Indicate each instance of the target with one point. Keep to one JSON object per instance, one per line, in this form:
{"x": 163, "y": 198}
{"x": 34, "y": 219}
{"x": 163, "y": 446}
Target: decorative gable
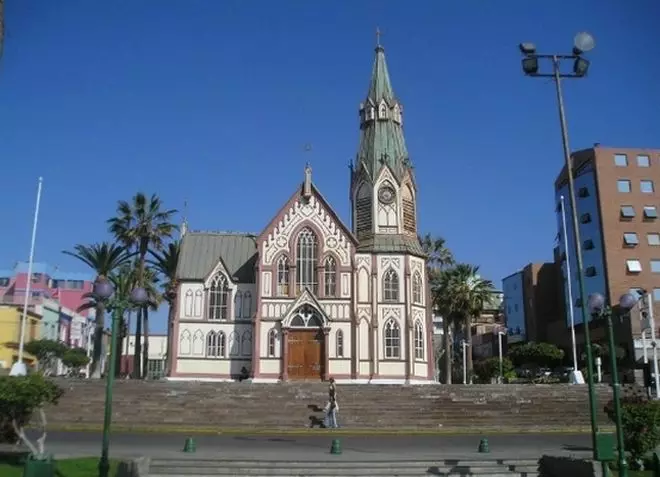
{"x": 335, "y": 237}
{"x": 305, "y": 298}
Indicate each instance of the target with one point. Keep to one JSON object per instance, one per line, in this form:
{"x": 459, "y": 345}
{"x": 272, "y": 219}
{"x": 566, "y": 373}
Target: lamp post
{"x": 104, "y": 290}
{"x": 598, "y": 309}
{"x": 583, "y": 42}
{"x": 464, "y": 345}
{"x": 500, "y": 334}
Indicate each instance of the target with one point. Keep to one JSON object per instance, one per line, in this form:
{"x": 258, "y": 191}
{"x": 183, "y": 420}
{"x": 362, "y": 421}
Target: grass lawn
{"x": 86, "y": 467}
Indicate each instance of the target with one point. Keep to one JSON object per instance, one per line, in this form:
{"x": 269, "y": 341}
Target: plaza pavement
{"x": 316, "y": 447}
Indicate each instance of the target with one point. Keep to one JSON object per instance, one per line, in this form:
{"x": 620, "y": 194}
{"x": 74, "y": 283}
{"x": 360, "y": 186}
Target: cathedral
{"x": 310, "y": 298}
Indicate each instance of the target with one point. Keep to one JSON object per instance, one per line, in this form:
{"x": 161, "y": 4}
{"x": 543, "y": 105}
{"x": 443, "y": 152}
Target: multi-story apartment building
{"x": 617, "y": 201}
{"x": 47, "y": 282}
{"x": 532, "y": 303}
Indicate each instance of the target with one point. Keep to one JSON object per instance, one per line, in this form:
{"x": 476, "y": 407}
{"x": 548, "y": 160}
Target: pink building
{"x": 47, "y": 282}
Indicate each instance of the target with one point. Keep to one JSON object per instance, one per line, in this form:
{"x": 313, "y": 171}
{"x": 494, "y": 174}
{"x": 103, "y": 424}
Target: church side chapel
{"x": 309, "y": 298}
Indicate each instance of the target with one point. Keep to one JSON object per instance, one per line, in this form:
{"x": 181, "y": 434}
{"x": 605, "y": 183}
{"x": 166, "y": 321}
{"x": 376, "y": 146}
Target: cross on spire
{"x": 378, "y": 33}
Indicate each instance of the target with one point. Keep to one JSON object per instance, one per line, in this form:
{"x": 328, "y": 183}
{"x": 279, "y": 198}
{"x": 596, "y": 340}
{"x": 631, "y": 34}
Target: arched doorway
{"x": 306, "y": 345}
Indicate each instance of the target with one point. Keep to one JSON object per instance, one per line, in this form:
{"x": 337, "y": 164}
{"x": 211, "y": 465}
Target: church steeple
{"x": 383, "y": 190}
{"x": 381, "y": 124}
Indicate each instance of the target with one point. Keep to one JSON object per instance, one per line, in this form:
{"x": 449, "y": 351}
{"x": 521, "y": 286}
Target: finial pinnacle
{"x": 378, "y": 45}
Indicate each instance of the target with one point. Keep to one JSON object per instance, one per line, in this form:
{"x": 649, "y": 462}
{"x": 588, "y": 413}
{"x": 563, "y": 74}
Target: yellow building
{"x": 10, "y": 330}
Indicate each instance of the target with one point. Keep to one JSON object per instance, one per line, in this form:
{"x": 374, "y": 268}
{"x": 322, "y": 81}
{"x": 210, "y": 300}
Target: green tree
{"x": 123, "y": 280}
{"x": 488, "y": 369}
{"x": 47, "y": 353}
{"x": 165, "y": 264}
{"x": 20, "y": 397}
{"x": 439, "y": 257}
{"x": 640, "y": 419}
{"x": 75, "y": 359}
{"x": 142, "y": 225}
{"x": 536, "y": 355}
{"x": 461, "y": 294}
{"x": 103, "y": 258}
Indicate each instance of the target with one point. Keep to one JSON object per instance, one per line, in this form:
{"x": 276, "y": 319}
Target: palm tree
{"x": 103, "y": 258}
{"x": 465, "y": 294}
{"x": 439, "y": 257}
{"x": 165, "y": 264}
{"x": 124, "y": 281}
{"x": 142, "y": 225}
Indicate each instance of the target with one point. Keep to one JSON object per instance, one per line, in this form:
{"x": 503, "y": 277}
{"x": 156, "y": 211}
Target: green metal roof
{"x": 201, "y": 251}
{"x": 391, "y": 243}
{"x": 381, "y": 140}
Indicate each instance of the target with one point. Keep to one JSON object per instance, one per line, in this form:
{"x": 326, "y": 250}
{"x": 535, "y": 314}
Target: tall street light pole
{"x": 104, "y": 290}
{"x": 583, "y": 42}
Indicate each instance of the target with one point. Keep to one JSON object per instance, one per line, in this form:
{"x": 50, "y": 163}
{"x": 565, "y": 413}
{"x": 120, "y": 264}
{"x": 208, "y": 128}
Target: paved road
{"x": 315, "y": 447}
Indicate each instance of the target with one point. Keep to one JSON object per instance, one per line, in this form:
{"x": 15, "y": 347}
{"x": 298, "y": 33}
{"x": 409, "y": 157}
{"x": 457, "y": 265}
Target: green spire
{"x": 381, "y": 131}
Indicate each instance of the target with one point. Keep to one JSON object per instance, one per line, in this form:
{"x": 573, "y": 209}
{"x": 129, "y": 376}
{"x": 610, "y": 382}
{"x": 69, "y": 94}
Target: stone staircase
{"x": 330, "y": 468}
{"x": 186, "y": 406}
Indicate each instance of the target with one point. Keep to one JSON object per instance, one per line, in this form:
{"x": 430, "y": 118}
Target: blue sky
{"x": 213, "y": 101}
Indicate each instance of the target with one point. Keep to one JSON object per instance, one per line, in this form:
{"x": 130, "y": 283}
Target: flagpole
{"x": 576, "y": 375}
{"x": 19, "y": 368}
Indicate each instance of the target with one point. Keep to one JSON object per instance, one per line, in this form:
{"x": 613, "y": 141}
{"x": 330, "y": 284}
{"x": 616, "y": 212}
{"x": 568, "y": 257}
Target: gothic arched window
{"x": 246, "y": 344}
{"x": 218, "y": 298}
{"x": 419, "y": 340}
{"x": 307, "y": 260}
{"x": 392, "y": 339}
{"x": 390, "y": 286}
{"x": 215, "y": 344}
{"x": 238, "y": 304}
{"x": 330, "y": 277}
{"x": 188, "y": 303}
{"x": 340, "y": 344}
{"x": 417, "y": 288}
{"x": 272, "y": 343}
{"x": 283, "y": 276}
{"x": 247, "y": 304}
{"x": 234, "y": 344}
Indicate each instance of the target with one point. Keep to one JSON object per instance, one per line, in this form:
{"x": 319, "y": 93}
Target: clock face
{"x": 386, "y": 195}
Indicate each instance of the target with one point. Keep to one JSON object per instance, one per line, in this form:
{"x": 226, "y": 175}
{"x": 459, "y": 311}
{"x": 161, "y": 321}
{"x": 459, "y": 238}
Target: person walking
{"x": 331, "y": 410}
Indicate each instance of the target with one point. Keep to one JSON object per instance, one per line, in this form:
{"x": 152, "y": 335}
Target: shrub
{"x": 640, "y": 419}
{"x": 488, "y": 369}
{"x": 19, "y": 398}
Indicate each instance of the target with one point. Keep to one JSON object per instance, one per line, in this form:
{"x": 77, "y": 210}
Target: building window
{"x": 656, "y": 294}
{"x": 633, "y": 266}
{"x": 653, "y": 239}
{"x": 585, "y": 218}
{"x": 630, "y": 239}
{"x": 590, "y": 272}
{"x": 646, "y": 186}
{"x": 627, "y": 211}
{"x": 215, "y": 344}
{"x": 238, "y": 304}
{"x": 272, "y": 343}
{"x": 620, "y": 160}
{"x": 340, "y": 344}
{"x": 643, "y": 160}
{"x": 390, "y": 286}
{"x": 247, "y": 305}
{"x": 4, "y": 281}
{"x": 218, "y": 298}
{"x": 283, "y": 276}
{"x": 307, "y": 260}
{"x": 246, "y": 344}
{"x": 330, "y": 277}
{"x": 650, "y": 212}
{"x": 36, "y": 277}
{"x": 588, "y": 244}
{"x": 155, "y": 368}
{"x": 417, "y": 288}
{"x": 392, "y": 340}
{"x": 583, "y": 192}
{"x": 419, "y": 340}
{"x": 623, "y": 185}
{"x": 234, "y": 344}
{"x": 655, "y": 266}
{"x": 76, "y": 284}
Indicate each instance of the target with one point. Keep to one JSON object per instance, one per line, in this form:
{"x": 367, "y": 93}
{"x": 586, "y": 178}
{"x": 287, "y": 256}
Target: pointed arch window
{"x": 307, "y": 260}
{"x": 330, "y": 276}
{"x": 198, "y": 303}
{"x": 246, "y": 344}
{"x": 272, "y": 343}
{"x": 238, "y": 304}
{"x": 419, "y": 340}
{"x": 184, "y": 343}
{"x": 409, "y": 213}
{"x": 247, "y": 305}
{"x": 198, "y": 343}
{"x": 390, "y": 286}
{"x": 283, "y": 276}
{"x": 417, "y": 288}
{"x": 234, "y": 344}
{"x": 219, "y": 298}
{"x": 215, "y": 344}
{"x": 340, "y": 344}
{"x": 392, "y": 339}
{"x": 188, "y": 303}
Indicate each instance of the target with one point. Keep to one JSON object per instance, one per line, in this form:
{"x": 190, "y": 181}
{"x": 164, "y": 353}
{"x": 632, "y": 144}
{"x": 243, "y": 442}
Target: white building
{"x": 309, "y": 298}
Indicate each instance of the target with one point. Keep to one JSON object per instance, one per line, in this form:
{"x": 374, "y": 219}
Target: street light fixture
{"x": 598, "y": 309}
{"x": 104, "y": 291}
{"x": 583, "y": 42}
{"x": 501, "y": 334}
